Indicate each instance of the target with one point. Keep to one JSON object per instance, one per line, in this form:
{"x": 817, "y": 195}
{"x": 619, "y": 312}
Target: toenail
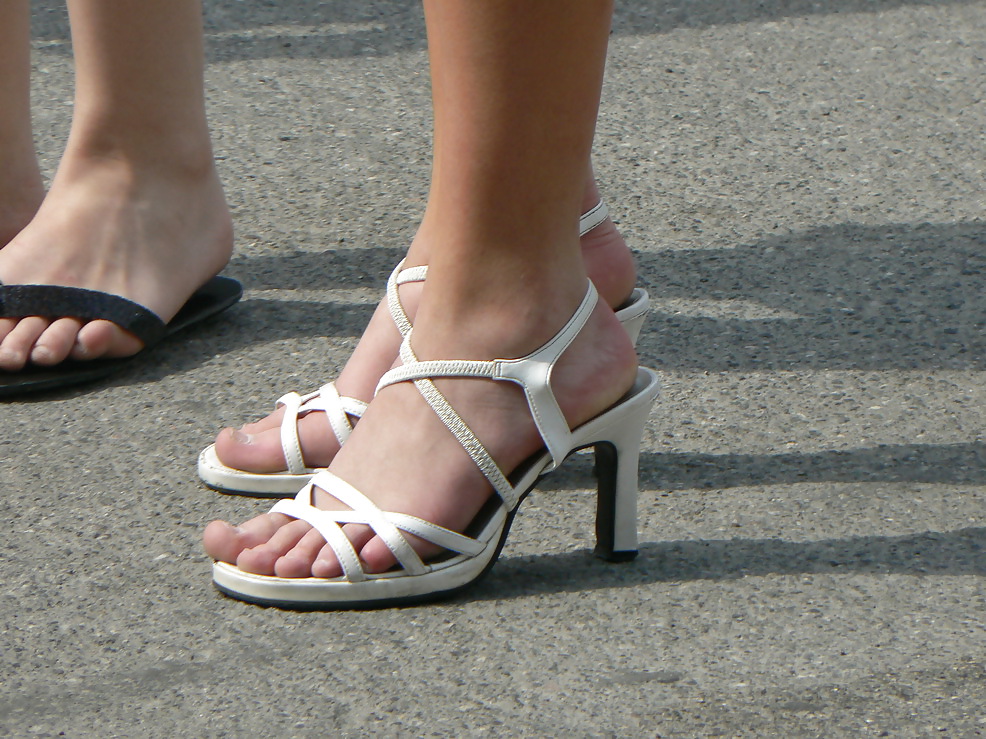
{"x": 239, "y": 437}
{"x": 41, "y": 353}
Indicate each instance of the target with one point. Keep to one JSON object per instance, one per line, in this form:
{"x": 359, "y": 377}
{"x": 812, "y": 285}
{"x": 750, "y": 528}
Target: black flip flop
{"x": 53, "y": 301}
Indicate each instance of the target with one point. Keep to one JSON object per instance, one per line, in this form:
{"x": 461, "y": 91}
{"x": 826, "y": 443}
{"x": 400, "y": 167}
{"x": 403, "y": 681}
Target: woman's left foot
{"x": 257, "y": 447}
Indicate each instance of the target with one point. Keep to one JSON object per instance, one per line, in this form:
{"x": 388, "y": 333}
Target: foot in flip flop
{"x": 112, "y": 262}
{"x": 276, "y": 455}
{"x": 411, "y": 502}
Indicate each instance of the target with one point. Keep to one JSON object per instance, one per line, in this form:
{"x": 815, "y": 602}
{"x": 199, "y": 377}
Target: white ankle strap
{"x": 587, "y": 221}
{"x": 593, "y": 217}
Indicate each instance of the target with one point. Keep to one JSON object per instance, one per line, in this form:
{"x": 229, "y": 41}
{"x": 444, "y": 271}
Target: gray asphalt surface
{"x": 804, "y": 184}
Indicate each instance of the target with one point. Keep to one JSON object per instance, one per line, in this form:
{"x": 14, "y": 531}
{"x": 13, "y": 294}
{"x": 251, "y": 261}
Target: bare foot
{"x": 404, "y": 459}
{"x": 151, "y": 236}
{"x": 256, "y": 447}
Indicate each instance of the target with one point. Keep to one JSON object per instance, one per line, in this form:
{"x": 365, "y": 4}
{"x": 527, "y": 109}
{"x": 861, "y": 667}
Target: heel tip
{"x": 611, "y": 556}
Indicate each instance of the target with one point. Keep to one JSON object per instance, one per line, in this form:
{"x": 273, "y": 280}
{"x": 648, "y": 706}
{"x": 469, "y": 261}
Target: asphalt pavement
{"x": 804, "y": 184}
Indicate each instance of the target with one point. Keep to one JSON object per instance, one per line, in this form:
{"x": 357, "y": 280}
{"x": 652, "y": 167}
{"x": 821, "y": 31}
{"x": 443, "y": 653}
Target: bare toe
{"x": 260, "y": 452}
{"x": 225, "y": 542}
{"x": 377, "y": 557}
{"x": 105, "y": 339}
{"x": 257, "y": 447}
{"x": 15, "y": 350}
{"x": 273, "y": 421}
{"x": 56, "y": 342}
{"x": 298, "y": 562}
{"x": 262, "y": 559}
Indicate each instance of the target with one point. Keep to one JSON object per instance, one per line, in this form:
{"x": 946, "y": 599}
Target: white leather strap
{"x": 587, "y": 221}
{"x": 328, "y": 527}
{"x": 397, "y": 311}
{"x": 372, "y": 516}
{"x": 337, "y": 408}
{"x": 593, "y": 217}
{"x": 532, "y": 373}
{"x": 412, "y": 274}
{"x": 387, "y": 526}
{"x": 473, "y": 446}
{"x": 290, "y": 443}
{"x": 412, "y": 369}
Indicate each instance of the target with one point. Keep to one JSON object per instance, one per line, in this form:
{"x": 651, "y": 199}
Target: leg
{"x": 515, "y": 106}
{"x": 136, "y": 208}
{"x": 21, "y": 190}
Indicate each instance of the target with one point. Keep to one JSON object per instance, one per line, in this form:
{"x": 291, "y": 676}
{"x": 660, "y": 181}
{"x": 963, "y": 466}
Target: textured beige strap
{"x": 532, "y": 373}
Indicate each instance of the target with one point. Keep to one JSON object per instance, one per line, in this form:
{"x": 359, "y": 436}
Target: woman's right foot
{"x": 150, "y": 233}
{"x": 256, "y": 447}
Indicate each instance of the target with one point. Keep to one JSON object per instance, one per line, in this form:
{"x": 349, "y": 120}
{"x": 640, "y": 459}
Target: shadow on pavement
{"x": 849, "y": 297}
{"x": 305, "y": 29}
{"x": 943, "y": 464}
{"x": 960, "y": 552}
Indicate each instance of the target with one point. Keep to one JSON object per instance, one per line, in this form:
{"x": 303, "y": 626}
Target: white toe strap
{"x": 326, "y": 525}
{"x": 290, "y": 444}
{"x": 388, "y": 526}
{"x": 339, "y": 409}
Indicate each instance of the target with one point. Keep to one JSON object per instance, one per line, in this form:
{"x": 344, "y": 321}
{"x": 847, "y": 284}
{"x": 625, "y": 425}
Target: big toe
{"x": 224, "y": 542}
{"x": 260, "y": 452}
{"x": 104, "y": 339}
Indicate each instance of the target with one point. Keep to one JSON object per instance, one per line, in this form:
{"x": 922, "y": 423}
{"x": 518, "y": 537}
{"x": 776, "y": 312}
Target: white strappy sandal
{"x": 342, "y": 411}
{"x": 615, "y": 434}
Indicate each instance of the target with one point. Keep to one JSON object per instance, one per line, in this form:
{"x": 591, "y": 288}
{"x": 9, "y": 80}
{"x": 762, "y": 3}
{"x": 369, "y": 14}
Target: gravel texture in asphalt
{"x": 804, "y": 185}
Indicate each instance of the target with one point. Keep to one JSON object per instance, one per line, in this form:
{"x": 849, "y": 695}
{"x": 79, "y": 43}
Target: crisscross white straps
{"x": 340, "y": 409}
{"x": 337, "y": 408}
{"x": 386, "y": 525}
{"x": 532, "y": 373}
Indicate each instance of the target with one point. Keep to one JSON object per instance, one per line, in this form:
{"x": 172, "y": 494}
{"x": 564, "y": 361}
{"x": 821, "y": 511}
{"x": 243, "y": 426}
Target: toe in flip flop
{"x": 17, "y": 301}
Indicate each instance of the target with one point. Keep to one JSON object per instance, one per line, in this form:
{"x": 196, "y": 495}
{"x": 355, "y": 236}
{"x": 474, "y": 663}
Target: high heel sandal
{"x": 616, "y": 435}
{"x": 343, "y": 411}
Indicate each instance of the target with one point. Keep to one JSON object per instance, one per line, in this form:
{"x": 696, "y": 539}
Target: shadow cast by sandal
{"x": 943, "y": 464}
{"x": 930, "y": 553}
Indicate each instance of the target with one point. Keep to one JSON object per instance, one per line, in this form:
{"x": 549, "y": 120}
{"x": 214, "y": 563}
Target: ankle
{"x": 494, "y": 319}
{"x": 169, "y": 154}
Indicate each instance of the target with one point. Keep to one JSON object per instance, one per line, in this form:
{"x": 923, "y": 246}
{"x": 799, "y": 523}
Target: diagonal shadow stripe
{"x": 943, "y": 464}
{"x": 257, "y": 29}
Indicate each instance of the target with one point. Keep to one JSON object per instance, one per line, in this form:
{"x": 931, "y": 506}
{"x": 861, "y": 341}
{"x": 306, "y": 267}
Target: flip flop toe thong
{"x": 17, "y": 301}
